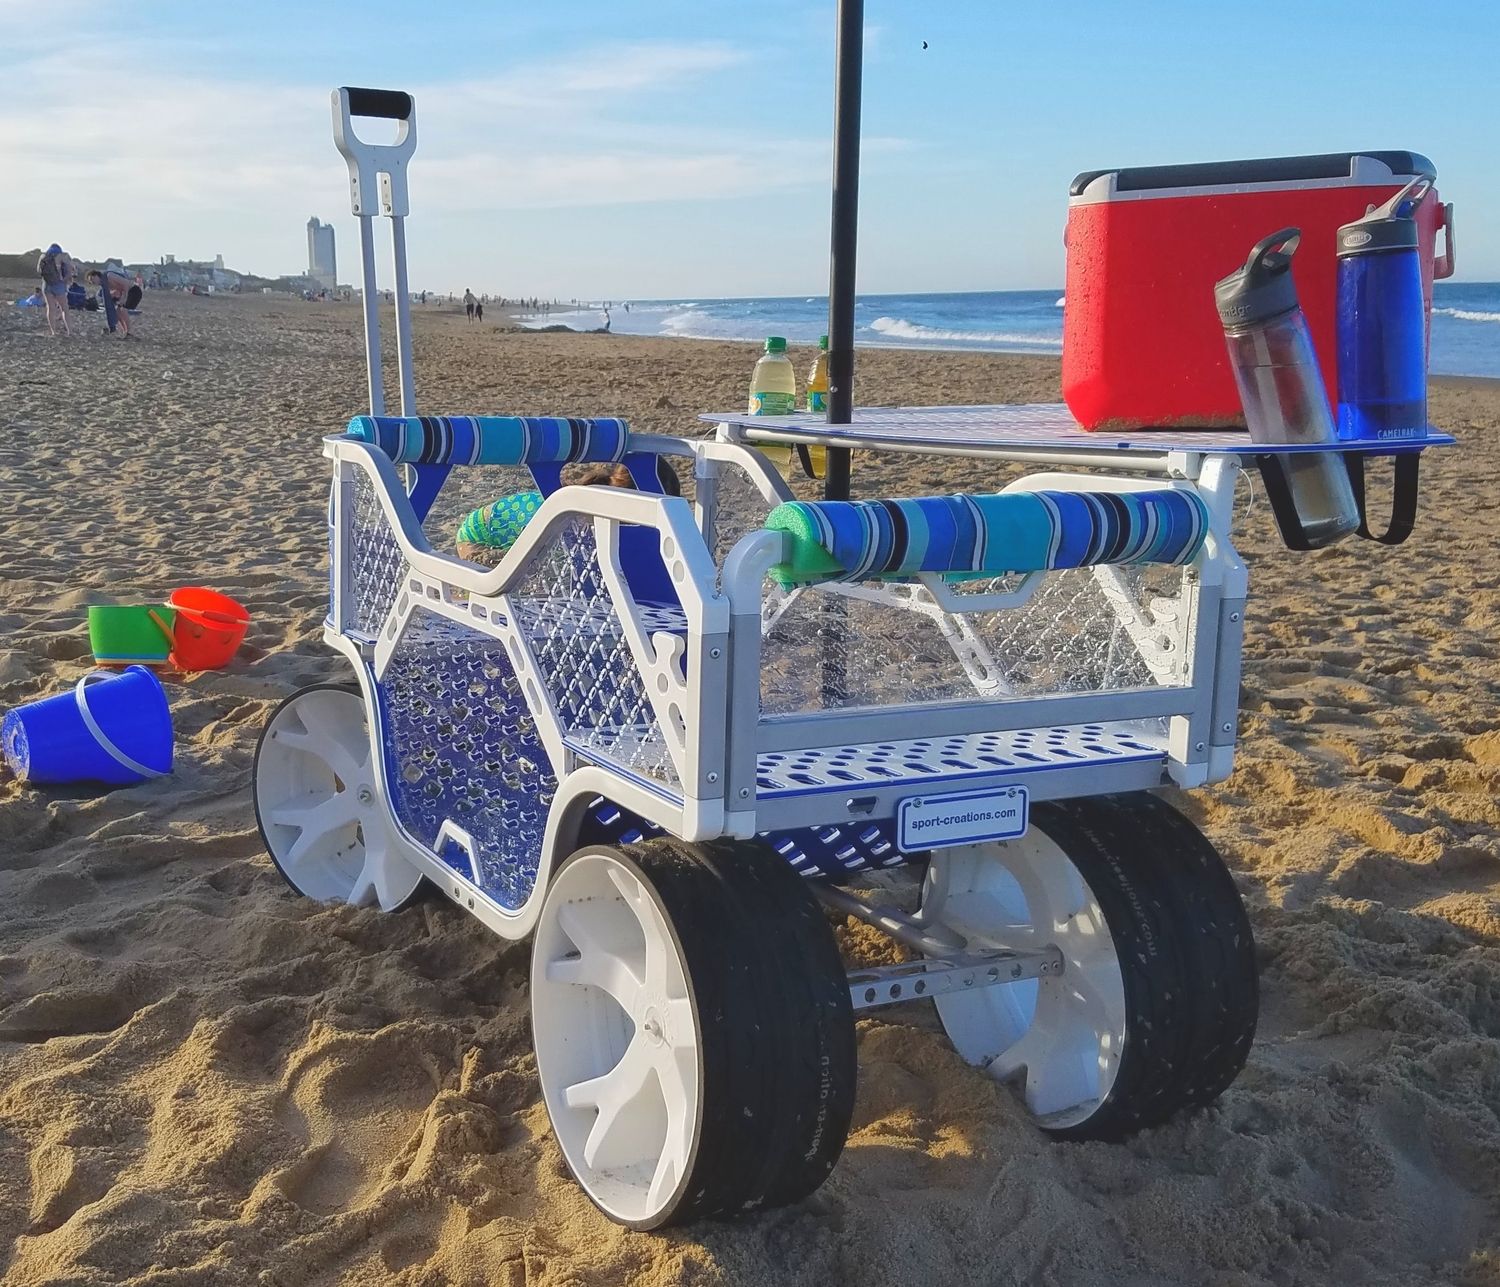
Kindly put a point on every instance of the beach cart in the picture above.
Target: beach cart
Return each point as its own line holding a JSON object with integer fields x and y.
{"x": 675, "y": 740}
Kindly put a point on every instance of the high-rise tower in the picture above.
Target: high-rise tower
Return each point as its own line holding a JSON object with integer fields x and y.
{"x": 322, "y": 266}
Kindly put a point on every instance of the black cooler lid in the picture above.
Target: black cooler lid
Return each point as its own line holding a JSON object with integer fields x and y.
{"x": 1274, "y": 169}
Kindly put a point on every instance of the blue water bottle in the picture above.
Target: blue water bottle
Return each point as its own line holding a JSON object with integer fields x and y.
{"x": 1382, "y": 321}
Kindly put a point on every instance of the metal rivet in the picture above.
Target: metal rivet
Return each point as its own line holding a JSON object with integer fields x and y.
{"x": 1234, "y": 616}
{"x": 1197, "y": 746}
{"x": 1227, "y": 727}
{"x": 744, "y": 793}
{"x": 715, "y": 653}
{"x": 713, "y": 777}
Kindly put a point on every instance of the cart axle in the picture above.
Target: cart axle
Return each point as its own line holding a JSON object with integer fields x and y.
{"x": 912, "y": 980}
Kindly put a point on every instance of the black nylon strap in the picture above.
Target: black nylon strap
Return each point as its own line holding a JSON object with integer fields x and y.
{"x": 1403, "y": 496}
{"x": 1279, "y": 493}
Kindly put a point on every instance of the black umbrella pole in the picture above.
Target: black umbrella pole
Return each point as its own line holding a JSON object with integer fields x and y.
{"x": 849, "y": 74}
{"x": 848, "y": 79}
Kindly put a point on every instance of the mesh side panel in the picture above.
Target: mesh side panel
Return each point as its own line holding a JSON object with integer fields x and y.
{"x": 740, "y": 508}
{"x": 564, "y": 611}
{"x": 460, "y": 744}
{"x": 1071, "y": 637}
{"x": 375, "y": 560}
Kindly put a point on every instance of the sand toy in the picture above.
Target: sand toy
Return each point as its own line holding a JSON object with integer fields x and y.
{"x": 114, "y": 729}
{"x": 131, "y": 634}
{"x": 208, "y": 630}
{"x": 665, "y": 738}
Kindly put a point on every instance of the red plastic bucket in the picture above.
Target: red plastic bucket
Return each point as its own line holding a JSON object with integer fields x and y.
{"x": 209, "y": 628}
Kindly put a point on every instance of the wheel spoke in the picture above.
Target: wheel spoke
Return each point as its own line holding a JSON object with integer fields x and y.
{"x": 321, "y": 744}
{"x": 314, "y": 824}
{"x": 680, "y": 1022}
{"x": 615, "y": 1139}
{"x": 1099, "y": 1005}
{"x": 595, "y": 966}
{"x": 1059, "y": 1055}
{"x": 375, "y": 883}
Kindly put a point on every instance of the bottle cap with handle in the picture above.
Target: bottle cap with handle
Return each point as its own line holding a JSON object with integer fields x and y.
{"x": 1262, "y": 288}
{"x": 1392, "y": 226}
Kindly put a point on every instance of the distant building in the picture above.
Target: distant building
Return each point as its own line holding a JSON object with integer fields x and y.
{"x": 322, "y": 267}
{"x": 172, "y": 273}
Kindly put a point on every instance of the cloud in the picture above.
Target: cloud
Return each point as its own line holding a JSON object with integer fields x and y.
{"x": 194, "y": 150}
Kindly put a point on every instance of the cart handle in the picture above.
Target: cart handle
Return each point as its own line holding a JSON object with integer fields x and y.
{"x": 391, "y": 104}
{"x": 377, "y": 171}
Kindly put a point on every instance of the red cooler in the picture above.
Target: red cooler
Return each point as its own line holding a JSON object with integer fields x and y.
{"x": 1142, "y": 343}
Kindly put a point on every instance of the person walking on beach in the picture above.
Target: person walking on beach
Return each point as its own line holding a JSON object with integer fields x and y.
{"x": 469, "y": 302}
{"x": 123, "y": 291}
{"x": 56, "y": 271}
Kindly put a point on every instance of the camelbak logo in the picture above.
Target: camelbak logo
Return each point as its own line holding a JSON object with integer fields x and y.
{"x": 1353, "y": 239}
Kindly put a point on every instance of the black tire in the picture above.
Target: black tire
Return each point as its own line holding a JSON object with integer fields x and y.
{"x": 1185, "y": 950}
{"x": 777, "y": 1059}
{"x": 425, "y": 888}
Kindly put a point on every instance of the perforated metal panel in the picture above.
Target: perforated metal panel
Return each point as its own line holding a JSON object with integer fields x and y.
{"x": 943, "y": 762}
{"x": 461, "y": 745}
{"x": 376, "y": 563}
{"x": 812, "y": 851}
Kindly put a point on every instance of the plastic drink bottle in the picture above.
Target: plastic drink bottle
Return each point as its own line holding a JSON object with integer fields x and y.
{"x": 1276, "y": 370}
{"x": 817, "y": 401}
{"x": 817, "y": 378}
{"x": 1382, "y": 321}
{"x": 773, "y": 383}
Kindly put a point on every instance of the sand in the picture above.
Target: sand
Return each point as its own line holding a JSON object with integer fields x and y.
{"x": 205, "y": 1079}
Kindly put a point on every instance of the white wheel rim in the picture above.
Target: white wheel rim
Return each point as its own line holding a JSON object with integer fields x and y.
{"x": 319, "y": 806}
{"x": 616, "y": 1038}
{"x": 1060, "y": 1038}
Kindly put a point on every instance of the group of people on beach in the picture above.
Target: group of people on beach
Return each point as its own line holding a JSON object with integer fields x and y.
{"x": 59, "y": 276}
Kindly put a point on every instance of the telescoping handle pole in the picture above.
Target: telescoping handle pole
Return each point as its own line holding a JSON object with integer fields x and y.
{"x": 377, "y": 185}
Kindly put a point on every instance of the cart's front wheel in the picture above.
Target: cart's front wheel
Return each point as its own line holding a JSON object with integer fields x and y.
{"x": 1155, "y": 1007}
{"x": 693, "y": 1032}
{"x": 318, "y": 805}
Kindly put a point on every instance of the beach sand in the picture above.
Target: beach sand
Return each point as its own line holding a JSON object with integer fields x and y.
{"x": 205, "y": 1079}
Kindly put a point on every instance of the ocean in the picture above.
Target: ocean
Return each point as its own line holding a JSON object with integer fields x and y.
{"x": 1465, "y": 322}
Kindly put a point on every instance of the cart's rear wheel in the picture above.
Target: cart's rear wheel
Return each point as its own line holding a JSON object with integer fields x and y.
{"x": 1155, "y": 1008}
{"x": 693, "y": 1033}
{"x": 318, "y": 805}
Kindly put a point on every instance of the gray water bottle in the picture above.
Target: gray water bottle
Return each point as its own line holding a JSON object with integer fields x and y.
{"x": 1281, "y": 389}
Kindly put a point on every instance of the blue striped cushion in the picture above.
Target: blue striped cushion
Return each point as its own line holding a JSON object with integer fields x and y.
{"x": 494, "y": 440}
{"x": 986, "y": 535}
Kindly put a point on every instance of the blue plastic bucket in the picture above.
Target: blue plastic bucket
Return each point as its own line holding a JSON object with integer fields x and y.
{"x": 116, "y": 729}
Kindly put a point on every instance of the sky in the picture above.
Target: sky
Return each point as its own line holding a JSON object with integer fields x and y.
{"x": 681, "y": 148}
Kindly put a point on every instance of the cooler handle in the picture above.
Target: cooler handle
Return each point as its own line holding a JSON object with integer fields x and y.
{"x": 1442, "y": 265}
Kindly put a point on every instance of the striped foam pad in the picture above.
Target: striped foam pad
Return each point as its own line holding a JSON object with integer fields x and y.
{"x": 989, "y": 535}
{"x": 494, "y": 440}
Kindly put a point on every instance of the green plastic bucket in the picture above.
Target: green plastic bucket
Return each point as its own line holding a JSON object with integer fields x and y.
{"x": 131, "y": 635}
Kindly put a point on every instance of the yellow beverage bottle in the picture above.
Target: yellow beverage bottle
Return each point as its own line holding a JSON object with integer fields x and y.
{"x": 817, "y": 401}
{"x": 773, "y": 383}
{"x": 817, "y": 379}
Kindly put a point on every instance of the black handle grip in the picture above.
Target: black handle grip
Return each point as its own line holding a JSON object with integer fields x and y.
{"x": 392, "y": 104}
